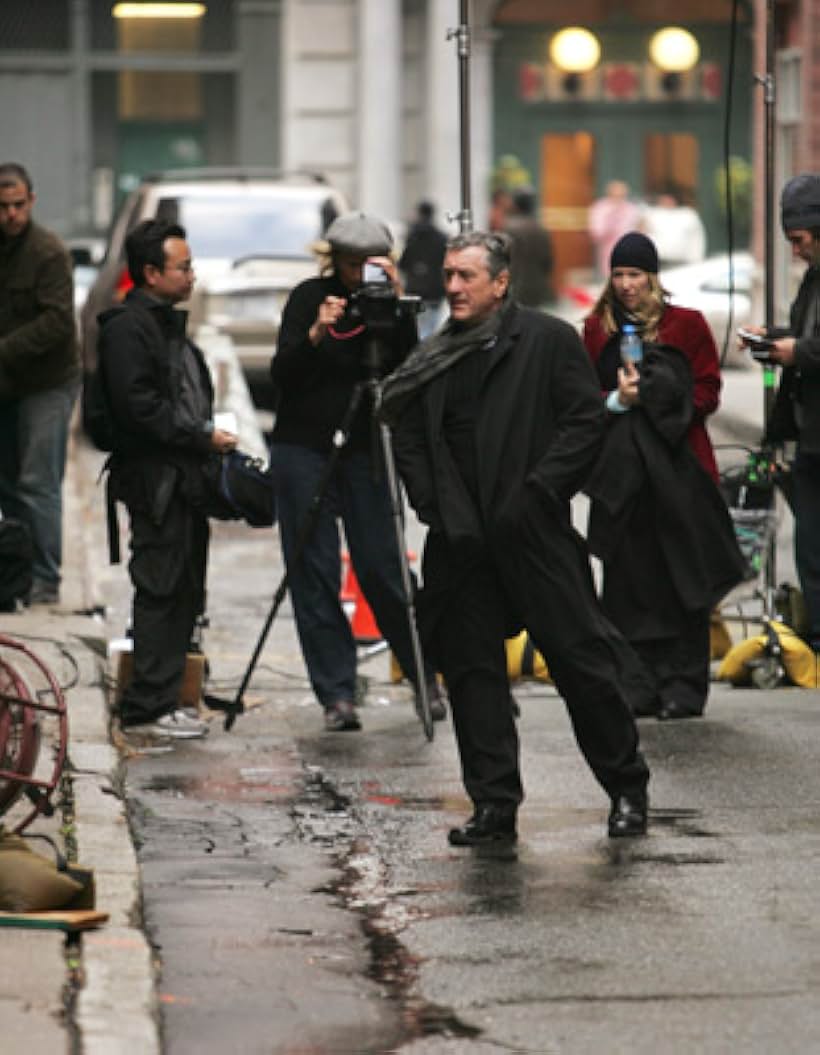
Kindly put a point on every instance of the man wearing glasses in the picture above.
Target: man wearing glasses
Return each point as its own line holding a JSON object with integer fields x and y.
{"x": 160, "y": 398}
{"x": 497, "y": 421}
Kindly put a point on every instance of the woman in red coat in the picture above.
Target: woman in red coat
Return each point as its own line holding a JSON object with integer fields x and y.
{"x": 647, "y": 482}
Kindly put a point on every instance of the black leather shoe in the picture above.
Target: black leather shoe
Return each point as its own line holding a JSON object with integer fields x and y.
{"x": 628, "y": 815}
{"x": 341, "y": 717}
{"x": 489, "y": 824}
{"x": 671, "y": 710}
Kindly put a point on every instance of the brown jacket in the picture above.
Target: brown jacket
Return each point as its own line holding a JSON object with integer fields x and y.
{"x": 38, "y": 337}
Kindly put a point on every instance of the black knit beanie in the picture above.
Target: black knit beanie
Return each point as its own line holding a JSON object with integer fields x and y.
{"x": 800, "y": 203}
{"x": 635, "y": 250}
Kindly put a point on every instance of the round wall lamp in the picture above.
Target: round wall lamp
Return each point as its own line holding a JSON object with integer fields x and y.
{"x": 674, "y": 50}
{"x": 575, "y": 50}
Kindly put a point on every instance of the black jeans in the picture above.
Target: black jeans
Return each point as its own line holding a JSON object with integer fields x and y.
{"x": 588, "y": 670}
{"x": 167, "y": 570}
{"x": 806, "y": 476}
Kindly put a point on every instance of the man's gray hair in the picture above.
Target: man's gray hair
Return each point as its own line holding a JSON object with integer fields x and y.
{"x": 497, "y": 245}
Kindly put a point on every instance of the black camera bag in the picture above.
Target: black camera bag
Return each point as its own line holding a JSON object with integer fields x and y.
{"x": 237, "y": 486}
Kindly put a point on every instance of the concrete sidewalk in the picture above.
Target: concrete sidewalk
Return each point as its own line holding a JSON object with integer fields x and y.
{"x": 106, "y": 1001}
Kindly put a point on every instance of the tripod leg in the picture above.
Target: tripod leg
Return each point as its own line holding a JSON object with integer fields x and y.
{"x": 425, "y": 713}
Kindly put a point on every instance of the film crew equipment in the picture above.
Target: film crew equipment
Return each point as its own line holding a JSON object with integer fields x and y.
{"x": 379, "y": 308}
{"x": 235, "y": 707}
{"x": 462, "y": 38}
{"x": 32, "y": 714}
{"x": 374, "y": 365}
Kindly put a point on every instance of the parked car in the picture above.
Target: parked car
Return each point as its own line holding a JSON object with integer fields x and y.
{"x": 234, "y": 219}
{"x": 706, "y": 286}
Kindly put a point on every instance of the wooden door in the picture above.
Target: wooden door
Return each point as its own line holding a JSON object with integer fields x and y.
{"x": 567, "y": 189}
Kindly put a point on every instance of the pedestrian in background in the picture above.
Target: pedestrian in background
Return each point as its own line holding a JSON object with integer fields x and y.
{"x": 796, "y": 411}
{"x": 676, "y": 230}
{"x": 497, "y": 421}
{"x": 159, "y": 392}
{"x": 39, "y": 376}
{"x": 420, "y": 263}
{"x": 658, "y": 521}
{"x": 609, "y": 218}
{"x": 532, "y": 252}
{"x": 322, "y": 355}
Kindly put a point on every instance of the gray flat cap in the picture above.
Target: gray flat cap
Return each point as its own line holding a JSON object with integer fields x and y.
{"x": 800, "y": 203}
{"x": 355, "y": 232}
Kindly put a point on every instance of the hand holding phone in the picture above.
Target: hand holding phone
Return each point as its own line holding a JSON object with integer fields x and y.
{"x": 758, "y": 344}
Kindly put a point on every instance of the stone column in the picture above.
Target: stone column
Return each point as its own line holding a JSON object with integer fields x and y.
{"x": 440, "y": 123}
{"x": 258, "y": 44}
{"x": 379, "y": 108}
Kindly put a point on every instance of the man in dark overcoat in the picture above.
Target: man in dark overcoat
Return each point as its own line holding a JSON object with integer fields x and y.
{"x": 497, "y": 420}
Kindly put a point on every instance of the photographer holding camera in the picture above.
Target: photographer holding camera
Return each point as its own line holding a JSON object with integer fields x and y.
{"x": 323, "y": 353}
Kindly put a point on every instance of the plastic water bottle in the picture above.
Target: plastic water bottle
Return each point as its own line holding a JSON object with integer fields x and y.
{"x": 631, "y": 345}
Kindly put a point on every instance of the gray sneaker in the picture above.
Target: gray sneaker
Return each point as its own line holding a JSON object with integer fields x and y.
{"x": 178, "y": 725}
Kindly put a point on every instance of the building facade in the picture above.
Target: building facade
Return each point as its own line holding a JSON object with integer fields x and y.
{"x": 367, "y": 92}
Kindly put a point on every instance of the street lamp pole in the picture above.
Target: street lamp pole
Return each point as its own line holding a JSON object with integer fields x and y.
{"x": 767, "y": 81}
{"x": 462, "y": 37}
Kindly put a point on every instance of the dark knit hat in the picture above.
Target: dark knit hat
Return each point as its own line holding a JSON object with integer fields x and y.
{"x": 800, "y": 203}
{"x": 635, "y": 250}
{"x": 355, "y": 232}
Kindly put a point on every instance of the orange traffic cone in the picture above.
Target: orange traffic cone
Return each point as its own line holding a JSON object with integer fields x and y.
{"x": 362, "y": 621}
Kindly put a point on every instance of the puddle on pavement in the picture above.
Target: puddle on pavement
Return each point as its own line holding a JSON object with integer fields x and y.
{"x": 225, "y": 781}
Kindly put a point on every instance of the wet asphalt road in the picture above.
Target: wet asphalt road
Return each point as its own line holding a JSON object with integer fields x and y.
{"x": 301, "y": 896}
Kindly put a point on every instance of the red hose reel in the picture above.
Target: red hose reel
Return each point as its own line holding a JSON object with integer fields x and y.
{"x": 32, "y": 713}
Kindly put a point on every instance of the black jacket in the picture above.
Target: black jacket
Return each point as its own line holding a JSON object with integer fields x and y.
{"x": 155, "y": 445}
{"x": 314, "y": 385}
{"x": 800, "y": 384}
{"x": 38, "y": 339}
{"x": 540, "y": 425}
{"x": 658, "y": 521}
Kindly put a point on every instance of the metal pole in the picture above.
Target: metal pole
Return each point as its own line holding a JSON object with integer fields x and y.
{"x": 769, "y": 98}
{"x": 462, "y": 38}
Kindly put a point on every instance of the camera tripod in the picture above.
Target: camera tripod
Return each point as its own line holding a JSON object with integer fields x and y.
{"x": 235, "y": 707}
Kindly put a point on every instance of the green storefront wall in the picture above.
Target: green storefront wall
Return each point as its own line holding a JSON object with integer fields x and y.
{"x": 619, "y": 128}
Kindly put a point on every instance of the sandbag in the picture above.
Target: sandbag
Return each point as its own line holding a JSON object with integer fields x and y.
{"x": 800, "y": 664}
{"x": 523, "y": 661}
{"x": 31, "y": 883}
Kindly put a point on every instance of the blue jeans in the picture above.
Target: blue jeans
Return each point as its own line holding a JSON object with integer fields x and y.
{"x": 363, "y": 505}
{"x": 33, "y": 444}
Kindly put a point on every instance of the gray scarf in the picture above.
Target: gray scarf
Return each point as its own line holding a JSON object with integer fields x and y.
{"x": 431, "y": 358}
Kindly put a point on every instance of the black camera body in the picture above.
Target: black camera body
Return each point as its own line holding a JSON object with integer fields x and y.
{"x": 377, "y": 305}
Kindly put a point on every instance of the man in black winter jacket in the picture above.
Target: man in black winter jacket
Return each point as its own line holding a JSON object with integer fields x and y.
{"x": 796, "y": 411}
{"x": 161, "y": 399}
{"x": 497, "y": 421}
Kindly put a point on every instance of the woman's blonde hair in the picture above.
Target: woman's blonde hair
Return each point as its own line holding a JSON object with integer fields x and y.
{"x": 649, "y": 317}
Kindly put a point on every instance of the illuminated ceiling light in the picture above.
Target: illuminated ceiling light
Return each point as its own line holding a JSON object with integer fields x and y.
{"x": 575, "y": 50}
{"x": 674, "y": 50}
{"x": 158, "y": 10}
